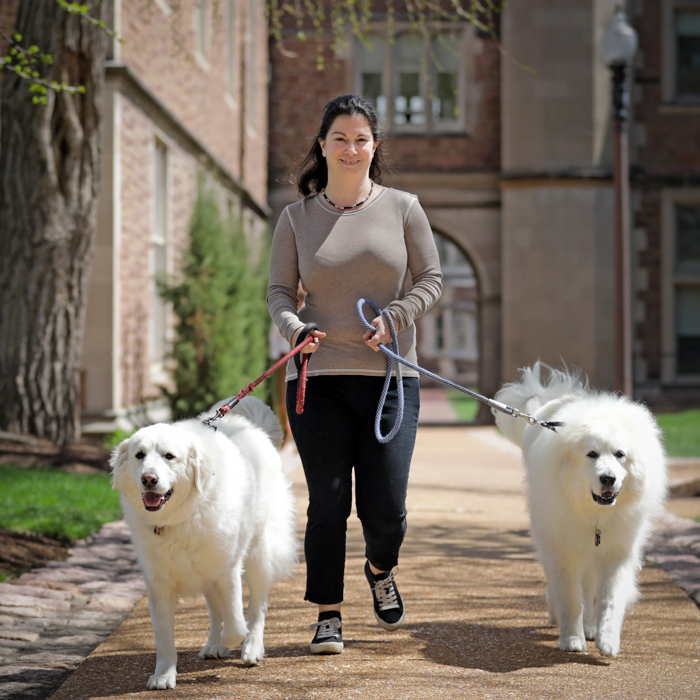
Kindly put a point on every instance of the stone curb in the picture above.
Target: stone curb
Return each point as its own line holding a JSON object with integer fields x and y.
{"x": 51, "y": 618}
{"x": 675, "y": 548}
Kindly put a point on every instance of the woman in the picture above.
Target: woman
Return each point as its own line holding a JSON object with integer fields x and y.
{"x": 348, "y": 238}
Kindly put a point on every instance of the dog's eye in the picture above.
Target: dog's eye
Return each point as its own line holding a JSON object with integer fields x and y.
{"x": 140, "y": 455}
{"x": 619, "y": 454}
{"x": 592, "y": 454}
{"x": 169, "y": 455}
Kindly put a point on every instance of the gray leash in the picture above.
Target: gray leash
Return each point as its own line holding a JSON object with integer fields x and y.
{"x": 392, "y": 354}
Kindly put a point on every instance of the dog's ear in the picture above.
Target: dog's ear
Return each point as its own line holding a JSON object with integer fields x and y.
{"x": 118, "y": 460}
{"x": 197, "y": 466}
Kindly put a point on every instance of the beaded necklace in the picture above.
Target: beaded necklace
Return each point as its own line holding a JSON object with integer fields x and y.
{"x": 323, "y": 192}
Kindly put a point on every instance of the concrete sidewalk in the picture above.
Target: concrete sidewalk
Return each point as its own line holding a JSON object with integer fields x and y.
{"x": 476, "y": 612}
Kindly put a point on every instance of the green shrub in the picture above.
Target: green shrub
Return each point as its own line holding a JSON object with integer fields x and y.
{"x": 222, "y": 322}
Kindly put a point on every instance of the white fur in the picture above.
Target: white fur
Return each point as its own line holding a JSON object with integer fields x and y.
{"x": 589, "y": 587}
{"x": 230, "y": 516}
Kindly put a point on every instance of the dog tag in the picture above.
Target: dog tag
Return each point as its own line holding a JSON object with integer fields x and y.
{"x": 597, "y": 537}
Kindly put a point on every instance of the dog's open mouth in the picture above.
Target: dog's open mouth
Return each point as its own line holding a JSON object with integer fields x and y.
{"x": 155, "y": 501}
{"x": 605, "y": 499}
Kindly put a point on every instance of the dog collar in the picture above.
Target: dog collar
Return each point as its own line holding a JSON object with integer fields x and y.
{"x": 156, "y": 530}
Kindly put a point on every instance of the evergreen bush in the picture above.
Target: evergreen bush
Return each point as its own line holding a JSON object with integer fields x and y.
{"x": 222, "y": 322}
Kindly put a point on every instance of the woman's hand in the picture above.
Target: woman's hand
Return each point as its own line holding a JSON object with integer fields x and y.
{"x": 313, "y": 345}
{"x": 381, "y": 334}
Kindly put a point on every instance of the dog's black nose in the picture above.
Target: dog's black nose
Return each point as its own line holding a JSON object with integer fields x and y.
{"x": 607, "y": 481}
{"x": 149, "y": 481}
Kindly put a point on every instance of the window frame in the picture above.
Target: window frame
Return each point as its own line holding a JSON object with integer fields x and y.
{"x": 232, "y": 78}
{"x": 438, "y": 323}
{"x": 669, "y": 57}
{"x": 465, "y": 80}
{"x": 160, "y": 236}
{"x": 670, "y": 199}
{"x": 202, "y": 32}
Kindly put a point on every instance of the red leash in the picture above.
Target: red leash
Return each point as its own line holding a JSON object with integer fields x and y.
{"x": 301, "y": 386}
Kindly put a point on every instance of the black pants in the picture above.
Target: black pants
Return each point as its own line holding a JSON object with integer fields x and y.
{"x": 334, "y": 435}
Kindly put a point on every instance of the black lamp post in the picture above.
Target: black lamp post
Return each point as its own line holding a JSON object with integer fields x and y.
{"x": 618, "y": 47}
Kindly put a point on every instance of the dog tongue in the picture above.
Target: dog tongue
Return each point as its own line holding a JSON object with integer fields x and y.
{"x": 152, "y": 499}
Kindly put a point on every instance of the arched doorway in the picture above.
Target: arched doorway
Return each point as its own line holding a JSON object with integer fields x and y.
{"x": 448, "y": 334}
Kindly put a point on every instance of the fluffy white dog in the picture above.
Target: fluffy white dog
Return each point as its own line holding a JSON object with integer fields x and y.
{"x": 207, "y": 508}
{"x": 594, "y": 488}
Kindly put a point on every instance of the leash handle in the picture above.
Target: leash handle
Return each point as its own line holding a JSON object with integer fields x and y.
{"x": 389, "y": 369}
{"x": 302, "y": 361}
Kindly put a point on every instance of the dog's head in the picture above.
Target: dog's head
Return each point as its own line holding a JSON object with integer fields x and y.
{"x": 613, "y": 447}
{"x": 157, "y": 467}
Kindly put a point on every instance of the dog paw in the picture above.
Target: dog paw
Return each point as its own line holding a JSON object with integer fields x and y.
{"x": 572, "y": 644}
{"x": 589, "y": 633}
{"x": 232, "y": 638}
{"x": 163, "y": 681}
{"x": 252, "y": 652}
{"x": 214, "y": 651}
{"x": 608, "y": 647}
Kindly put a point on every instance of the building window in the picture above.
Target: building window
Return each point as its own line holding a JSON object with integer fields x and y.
{"x": 251, "y": 59}
{"x": 681, "y": 286}
{"x": 680, "y": 52}
{"x": 202, "y": 31}
{"x": 416, "y": 85}
{"x": 687, "y": 290}
{"x": 687, "y": 31}
{"x": 449, "y": 337}
{"x": 159, "y": 256}
{"x": 231, "y": 50}
{"x": 371, "y": 72}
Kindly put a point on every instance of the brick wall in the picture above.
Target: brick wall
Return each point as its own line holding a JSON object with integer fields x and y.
{"x": 195, "y": 90}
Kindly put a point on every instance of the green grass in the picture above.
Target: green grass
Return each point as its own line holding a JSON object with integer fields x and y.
{"x": 55, "y": 503}
{"x": 464, "y": 405}
{"x": 681, "y": 432}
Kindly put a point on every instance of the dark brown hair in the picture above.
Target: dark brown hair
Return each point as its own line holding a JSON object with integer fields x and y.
{"x": 312, "y": 172}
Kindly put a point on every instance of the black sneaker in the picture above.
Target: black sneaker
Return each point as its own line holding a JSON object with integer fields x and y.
{"x": 329, "y": 633}
{"x": 388, "y": 606}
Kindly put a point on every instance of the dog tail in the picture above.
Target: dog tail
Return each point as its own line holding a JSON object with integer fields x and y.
{"x": 532, "y": 392}
{"x": 261, "y": 415}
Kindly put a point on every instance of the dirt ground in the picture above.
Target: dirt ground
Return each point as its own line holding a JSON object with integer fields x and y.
{"x": 21, "y": 552}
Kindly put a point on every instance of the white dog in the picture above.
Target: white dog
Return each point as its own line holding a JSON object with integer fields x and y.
{"x": 207, "y": 507}
{"x": 594, "y": 488}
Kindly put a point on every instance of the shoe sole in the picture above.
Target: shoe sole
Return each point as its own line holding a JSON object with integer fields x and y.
{"x": 326, "y": 648}
{"x": 390, "y": 626}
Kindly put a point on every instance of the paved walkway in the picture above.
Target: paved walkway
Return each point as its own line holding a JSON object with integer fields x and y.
{"x": 476, "y": 613}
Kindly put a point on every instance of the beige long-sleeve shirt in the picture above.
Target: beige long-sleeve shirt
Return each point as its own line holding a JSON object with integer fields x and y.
{"x": 385, "y": 252}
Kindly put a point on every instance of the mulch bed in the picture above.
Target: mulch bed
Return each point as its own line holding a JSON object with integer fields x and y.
{"x": 20, "y": 552}
{"x": 28, "y": 451}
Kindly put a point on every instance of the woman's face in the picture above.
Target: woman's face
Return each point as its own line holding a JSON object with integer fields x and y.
{"x": 348, "y": 146}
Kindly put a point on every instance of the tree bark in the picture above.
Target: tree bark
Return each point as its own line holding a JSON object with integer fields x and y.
{"x": 49, "y": 185}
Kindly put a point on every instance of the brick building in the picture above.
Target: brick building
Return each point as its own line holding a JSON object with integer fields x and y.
{"x": 510, "y": 153}
{"x": 169, "y": 116}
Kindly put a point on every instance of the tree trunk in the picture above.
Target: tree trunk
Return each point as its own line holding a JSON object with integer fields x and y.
{"x": 49, "y": 185}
